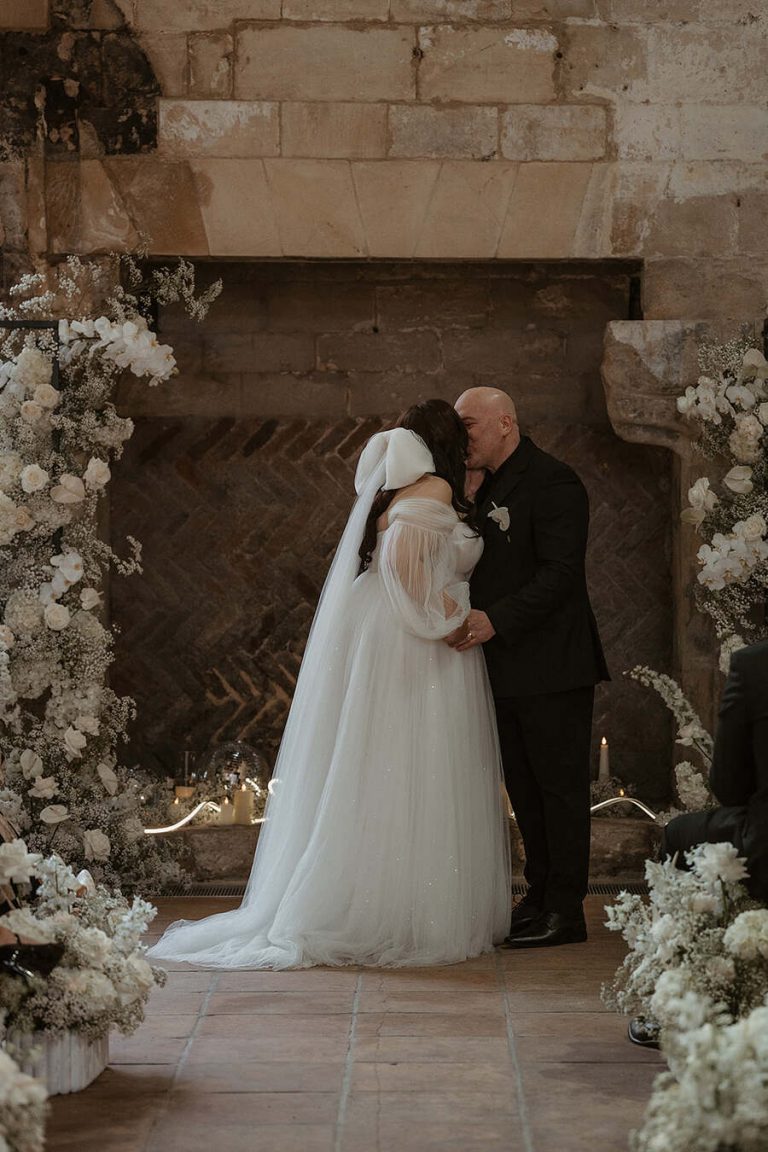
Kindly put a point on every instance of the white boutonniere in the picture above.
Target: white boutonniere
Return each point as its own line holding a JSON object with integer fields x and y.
{"x": 500, "y": 516}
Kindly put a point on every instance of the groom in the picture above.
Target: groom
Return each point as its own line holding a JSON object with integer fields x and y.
{"x": 531, "y": 613}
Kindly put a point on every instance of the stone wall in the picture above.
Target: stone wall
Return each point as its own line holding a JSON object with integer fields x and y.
{"x": 239, "y": 477}
{"x": 524, "y": 129}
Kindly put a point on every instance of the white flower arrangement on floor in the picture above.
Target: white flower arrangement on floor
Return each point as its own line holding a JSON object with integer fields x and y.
{"x": 691, "y": 783}
{"x": 102, "y": 980}
{"x": 730, "y": 508}
{"x": 22, "y": 1109}
{"x": 60, "y": 724}
{"x": 698, "y": 964}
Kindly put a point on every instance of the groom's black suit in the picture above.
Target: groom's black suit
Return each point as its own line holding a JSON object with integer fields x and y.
{"x": 543, "y": 662}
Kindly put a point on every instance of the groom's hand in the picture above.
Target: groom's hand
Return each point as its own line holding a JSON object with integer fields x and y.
{"x": 459, "y": 636}
{"x": 478, "y": 631}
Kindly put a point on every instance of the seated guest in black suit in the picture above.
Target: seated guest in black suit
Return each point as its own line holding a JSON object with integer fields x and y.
{"x": 739, "y": 774}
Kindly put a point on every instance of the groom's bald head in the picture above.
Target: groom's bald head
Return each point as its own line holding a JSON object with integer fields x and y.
{"x": 490, "y": 418}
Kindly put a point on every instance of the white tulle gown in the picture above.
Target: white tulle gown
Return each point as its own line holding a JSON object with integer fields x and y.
{"x": 385, "y": 842}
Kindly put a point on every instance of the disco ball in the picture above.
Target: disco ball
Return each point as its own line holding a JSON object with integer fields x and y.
{"x": 235, "y": 762}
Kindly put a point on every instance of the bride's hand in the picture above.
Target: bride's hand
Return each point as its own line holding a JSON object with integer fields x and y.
{"x": 454, "y": 639}
{"x": 478, "y": 631}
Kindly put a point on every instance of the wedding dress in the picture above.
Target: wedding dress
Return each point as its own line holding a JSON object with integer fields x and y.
{"x": 385, "y": 841}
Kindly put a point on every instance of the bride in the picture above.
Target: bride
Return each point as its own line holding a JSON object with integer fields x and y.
{"x": 385, "y": 840}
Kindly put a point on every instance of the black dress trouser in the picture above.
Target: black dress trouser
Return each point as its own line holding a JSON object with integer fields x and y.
{"x": 545, "y": 749}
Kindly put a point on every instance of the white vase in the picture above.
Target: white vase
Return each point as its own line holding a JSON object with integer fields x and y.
{"x": 65, "y": 1062}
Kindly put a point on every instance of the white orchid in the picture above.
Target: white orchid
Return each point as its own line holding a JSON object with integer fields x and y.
{"x": 31, "y": 764}
{"x": 74, "y": 743}
{"x": 69, "y": 565}
{"x": 90, "y": 598}
{"x": 701, "y": 499}
{"x": 739, "y": 480}
{"x": 108, "y": 778}
{"x": 69, "y": 490}
{"x": 54, "y": 814}
{"x": 742, "y": 395}
{"x": 17, "y": 865}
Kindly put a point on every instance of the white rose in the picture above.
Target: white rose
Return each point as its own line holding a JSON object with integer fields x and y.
{"x": 31, "y": 413}
{"x": 7, "y": 638}
{"x": 56, "y": 616}
{"x": 74, "y": 742}
{"x": 90, "y": 598}
{"x": 753, "y": 528}
{"x": 96, "y": 845}
{"x": 44, "y": 788}
{"x": 97, "y": 474}
{"x": 54, "y": 814}
{"x": 108, "y": 778}
{"x": 31, "y": 369}
{"x": 46, "y": 396}
{"x": 23, "y": 612}
{"x": 762, "y": 413}
{"x": 31, "y": 764}
{"x": 34, "y": 478}
{"x": 17, "y": 865}
{"x": 69, "y": 490}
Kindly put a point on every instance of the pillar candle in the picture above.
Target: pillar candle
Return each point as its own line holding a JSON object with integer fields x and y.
{"x": 604, "y": 772}
{"x": 226, "y": 812}
{"x": 243, "y": 805}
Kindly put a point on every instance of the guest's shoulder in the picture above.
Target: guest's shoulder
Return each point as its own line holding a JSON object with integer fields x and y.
{"x": 752, "y": 661}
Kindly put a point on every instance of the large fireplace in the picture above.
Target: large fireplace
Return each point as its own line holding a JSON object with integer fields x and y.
{"x": 239, "y": 477}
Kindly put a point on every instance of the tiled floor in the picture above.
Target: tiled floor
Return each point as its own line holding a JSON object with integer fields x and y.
{"x": 513, "y": 1051}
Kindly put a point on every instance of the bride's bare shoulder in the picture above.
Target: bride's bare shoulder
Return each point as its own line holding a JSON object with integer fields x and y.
{"x": 429, "y": 488}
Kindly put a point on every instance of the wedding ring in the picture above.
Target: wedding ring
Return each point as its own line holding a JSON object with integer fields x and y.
{"x": 470, "y": 635}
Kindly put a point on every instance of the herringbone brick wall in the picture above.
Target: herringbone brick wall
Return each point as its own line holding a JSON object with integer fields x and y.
{"x": 239, "y": 501}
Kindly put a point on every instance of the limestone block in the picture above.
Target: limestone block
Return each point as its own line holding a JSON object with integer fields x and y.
{"x": 421, "y": 130}
{"x": 315, "y": 207}
{"x": 380, "y": 351}
{"x": 162, "y": 200}
{"x": 168, "y": 57}
{"x": 236, "y": 208}
{"x": 752, "y": 215}
{"x": 335, "y": 10}
{"x": 299, "y": 307}
{"x": 200, "y": 15}
{"x": 13, "y": 206}
{"x": 510, "y": 66}
{"x": 643, "y": 373}
{"x": 647, "y": 132}
{"x": 323, "y": 394}
{"x": 450, "y": 11}
{"x": 449, "y": 303}
{"x": 85, "y": 211}
{"x": 554, "y": 9}
{"x": 325, "y": 62}
{"x": 648, "y": 11}
{"x": 465, "y": 216}
{"x": 706, "y": 288}
{"x": 603, "y": 60}
{"x": 545, "y": 216}
{"x": 620, "y": 847}
{"x": 731, "y": 132}
{"x": 393, "y": 199}
{"x": 210, "y": 64}
{"x": 261, "y": 352}
{"x": 214, "y": 853}
{"x": 492, "y": 351}
{"x": 218, "y": 128}
{"x": 354, "y": 131}
{"x": 387, "y": 394}
{"x": 554, "y": 132}
{"x": 699, "y": 226}
{"x": 24, "y": 14}
{"x": 725, "y": 65}
{"x": 639, "y": 187}
{"x": 191, "y": 393}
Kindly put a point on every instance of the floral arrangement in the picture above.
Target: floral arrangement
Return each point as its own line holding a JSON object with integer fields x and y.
{"x": 691, "y": 783}
{"x": 102, "y": 980}
{"x": 698, "y": 965}
{"x": 60, "y": 724}
{"x": 22, "y": 1109}
{"x": 730, "y": 405}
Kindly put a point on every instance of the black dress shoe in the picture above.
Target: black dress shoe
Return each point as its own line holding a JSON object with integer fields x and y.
{"x": 523, "y": 914}
{"x": 645, "y": 1031}
{"x": 548, "y": 930}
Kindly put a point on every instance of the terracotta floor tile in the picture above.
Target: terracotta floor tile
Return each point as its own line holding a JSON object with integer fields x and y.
{"x": 243, "y": 1028}
{"x": 456, "y": 978}
{"x": 138, "y": 1049}
{"x": 314, "y": 1003}
{"x": 302, "y": 980}
{"x": 169, "y": 1002}
{"x": 297, "y": 1049}
{"x": 436, "y": 1049}
{"x": 242, "y": 1138}
{"x": 431, "y": 1077}
{"x": 262, "y": 1076}
{"x": 167, "y": 1025}
{"x": 374, "y": 1024}
{"x": 255, "y": 1108}
{"x": 430, "y": 1107}
{"x": 188, "y": 980}
{"x": 380, "y": 1134}
{"x": 458, "y": 1003}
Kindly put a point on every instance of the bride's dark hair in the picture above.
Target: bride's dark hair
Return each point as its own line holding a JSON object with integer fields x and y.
{"x": 442, "y": 430}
